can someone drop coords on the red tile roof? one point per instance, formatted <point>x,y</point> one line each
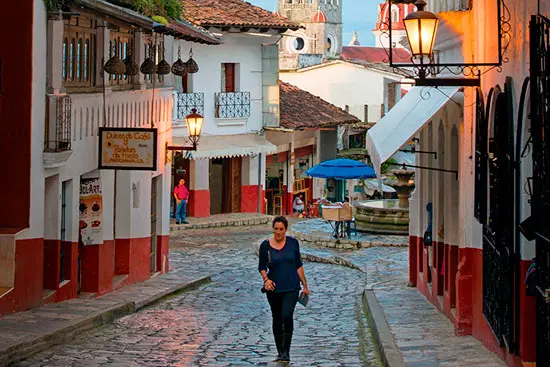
<point>233,13</point>
<point>188,32</point>
<point>301,109</point>
<point>375,54</point>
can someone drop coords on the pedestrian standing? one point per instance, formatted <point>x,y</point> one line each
<point>282,271</point>
<point>181,193</point>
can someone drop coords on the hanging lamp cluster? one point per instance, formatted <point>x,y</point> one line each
<point>129,67</point>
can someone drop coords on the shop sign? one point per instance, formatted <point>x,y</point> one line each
<point>91,211</point>
<point>128,148</point>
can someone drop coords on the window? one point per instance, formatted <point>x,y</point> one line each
<point>329,44</point>
<point>366,113</point>
<point>121,45</point>
<point>229,77</point>
<point>299,43</point>
<point>154,48</point>
<point>394,14</point>
<point>78,54</point>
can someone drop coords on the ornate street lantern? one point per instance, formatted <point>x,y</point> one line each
<point>421,27</point>
<point>194,126</point>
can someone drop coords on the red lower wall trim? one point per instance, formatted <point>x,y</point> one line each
<point>249,198</point>
<point>51,264</point>
<point>199,203</point>
<point>97,268</point>
<point>163,249</point>
<point>69,287</point>
<point>464,269</point>
<point>27,291</point>
<point>136,258</point>
<point>289,203</point>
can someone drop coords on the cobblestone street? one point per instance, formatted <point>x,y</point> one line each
<point>227,322</point>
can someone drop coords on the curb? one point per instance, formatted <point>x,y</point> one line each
<point>388,350</point>
<point>30,346</point>
<point>346,244</point>
<point>223,223</point>
<point>333,260</point>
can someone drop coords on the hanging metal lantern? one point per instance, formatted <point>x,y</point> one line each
<point>192,66</point>
<point>114,66</point>
<point>148,67</point>
<point>179,68</point>
<point>163,68</point>
<point>132,68</point>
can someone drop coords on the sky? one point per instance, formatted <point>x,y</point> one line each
<point>358,15</point>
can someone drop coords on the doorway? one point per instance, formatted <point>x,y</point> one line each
<point>225,185</point>
<point>153,251</point>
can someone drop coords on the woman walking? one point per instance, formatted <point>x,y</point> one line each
<point>282,271</point>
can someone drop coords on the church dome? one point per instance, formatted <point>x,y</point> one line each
<point>319,17</point>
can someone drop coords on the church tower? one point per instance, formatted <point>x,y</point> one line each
<point>321,37</point>
<point>397,12</point>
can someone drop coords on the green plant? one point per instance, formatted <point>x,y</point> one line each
<point>159,19</point>
<point>52,5</point>
<point>163,8</point>
<point>389,165</point>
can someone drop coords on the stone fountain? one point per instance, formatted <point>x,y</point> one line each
<point>390,216</point>
<point>404,186</point>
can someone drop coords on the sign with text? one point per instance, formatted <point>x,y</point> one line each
<point>91,211</point>
<point>128,148</point>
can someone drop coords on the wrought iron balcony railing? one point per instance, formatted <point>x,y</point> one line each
<point>58,124</point>
<point>185,102</point>
<point>233,105</point>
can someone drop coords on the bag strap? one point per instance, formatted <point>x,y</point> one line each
<point>268,253</point>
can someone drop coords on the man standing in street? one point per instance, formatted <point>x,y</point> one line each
<point>182,196</point>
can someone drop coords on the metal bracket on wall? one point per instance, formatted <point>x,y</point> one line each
<point>426,168</point>
<point>414,151</point>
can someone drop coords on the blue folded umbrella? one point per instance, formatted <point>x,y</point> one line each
<point>342,169</point>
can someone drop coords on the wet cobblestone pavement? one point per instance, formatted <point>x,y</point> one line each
<point>227,322</point>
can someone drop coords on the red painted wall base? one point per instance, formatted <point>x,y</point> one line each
<point>27,290</point>
<point>163,248</point>
<point>249,199</point>
<point>463,291</point>
<point>199,204</point>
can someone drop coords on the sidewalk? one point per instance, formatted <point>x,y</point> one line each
<point>25,333</point>
<point>409,330</point>
<point>222,220</point>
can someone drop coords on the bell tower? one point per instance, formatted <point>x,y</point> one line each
<point>397,12</point>
<point>321,37</point>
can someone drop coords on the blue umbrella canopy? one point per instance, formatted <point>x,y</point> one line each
<point>342,169</point>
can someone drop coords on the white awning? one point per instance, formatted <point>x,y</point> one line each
<point>404,121</point>
<point>227,146</point>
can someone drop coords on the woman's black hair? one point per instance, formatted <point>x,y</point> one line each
<point>346,199</point>
<point>280,219</point>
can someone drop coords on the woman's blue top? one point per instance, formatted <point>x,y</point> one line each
<point>284,265</point>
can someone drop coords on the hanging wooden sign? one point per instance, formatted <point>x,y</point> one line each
<point>128,148</point>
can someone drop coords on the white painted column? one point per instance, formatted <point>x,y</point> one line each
<point>55,54</point>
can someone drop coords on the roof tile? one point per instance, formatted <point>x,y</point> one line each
<point>235,13</point>
<point>301,109</point>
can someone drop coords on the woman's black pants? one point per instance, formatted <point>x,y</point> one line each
<point>282,310</point>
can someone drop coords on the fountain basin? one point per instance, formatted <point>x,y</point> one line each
<point>382,216</point>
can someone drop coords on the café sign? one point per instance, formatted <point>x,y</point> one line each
<point>128,148</point>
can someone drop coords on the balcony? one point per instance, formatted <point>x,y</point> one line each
<point>185,102</point>
<point>232,105</point>
<point>57,139</point>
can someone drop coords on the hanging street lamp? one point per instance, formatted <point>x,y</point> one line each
<point>194,127</point>
<point>194,123</point>
<point>421,27</point>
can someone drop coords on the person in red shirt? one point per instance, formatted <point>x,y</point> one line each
<point>182,196</point>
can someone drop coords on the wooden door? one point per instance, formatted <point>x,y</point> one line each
<point>232,177</point>
<point>229,70</point>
